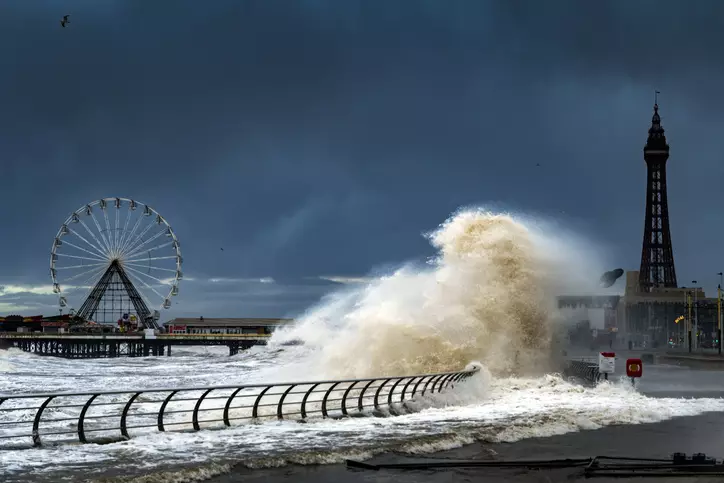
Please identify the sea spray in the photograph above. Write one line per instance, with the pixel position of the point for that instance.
(489, 295)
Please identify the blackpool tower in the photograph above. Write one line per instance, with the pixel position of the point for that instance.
(657, 256)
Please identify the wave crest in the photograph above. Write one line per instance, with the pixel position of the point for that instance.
(489, 296)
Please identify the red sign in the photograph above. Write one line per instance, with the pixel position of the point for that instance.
(608, 354)
(634, 367)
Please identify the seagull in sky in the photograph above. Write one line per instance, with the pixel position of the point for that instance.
(65, 21)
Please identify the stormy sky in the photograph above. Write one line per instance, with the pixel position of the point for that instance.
(315, 140)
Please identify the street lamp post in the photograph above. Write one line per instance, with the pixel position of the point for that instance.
(688, 319)
(696, 314)
(718, 310)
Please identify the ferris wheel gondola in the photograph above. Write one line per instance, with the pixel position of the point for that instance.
(115, 256)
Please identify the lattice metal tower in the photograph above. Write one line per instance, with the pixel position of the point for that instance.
(112, 295)
(657, 256)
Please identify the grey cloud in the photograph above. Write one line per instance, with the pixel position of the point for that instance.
(322, 137)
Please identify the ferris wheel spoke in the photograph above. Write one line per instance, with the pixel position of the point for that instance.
(136, 250)
(138, 239)
(151, 258)
(151, 267)
(65, 242)
(117, 226)
(157, 247)
(147, 286)
(139, 236)
(109, 232)
(100, 231)
(80, 275)
(133, 232)
(156, 279)
(89, 283)
(125, 227)
(82, 266)
(93, 235)
(76, 256)
(100, 252)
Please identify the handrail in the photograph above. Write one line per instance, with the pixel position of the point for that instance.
(90, 416)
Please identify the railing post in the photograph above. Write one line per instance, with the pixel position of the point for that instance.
(424, 388)
(451, 382)
(324, 399)
(459, 378)
(36, 421)
(254, 411)
(280, 406)
(377, 393)
(414, 389)
(360, 402)
(344, 397)
(446, 382)
(195, 415)
(163, 408)
(304, 399)
(81, 419)
(441, 384)
(402, 396)
(227, 406)
(392, 391)
(434, 383)
(124, 415)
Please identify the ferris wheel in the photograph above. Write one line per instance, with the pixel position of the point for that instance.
(115, 259)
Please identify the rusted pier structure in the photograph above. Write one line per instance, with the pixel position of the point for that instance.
(79, 346)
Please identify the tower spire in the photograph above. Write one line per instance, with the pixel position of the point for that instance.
(657, 138)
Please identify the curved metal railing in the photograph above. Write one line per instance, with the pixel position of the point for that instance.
(104, 416)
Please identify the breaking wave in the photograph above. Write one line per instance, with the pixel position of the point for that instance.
(488, 295)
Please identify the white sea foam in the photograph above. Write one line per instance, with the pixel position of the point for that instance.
(510, 410)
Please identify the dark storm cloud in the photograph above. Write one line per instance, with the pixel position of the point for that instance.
(312, 138)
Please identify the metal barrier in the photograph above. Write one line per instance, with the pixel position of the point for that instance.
(105, 416)
(583, 369)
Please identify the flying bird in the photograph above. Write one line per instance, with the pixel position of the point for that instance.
(65, 21)
(609, 278)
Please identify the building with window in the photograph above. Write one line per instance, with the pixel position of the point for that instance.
(201, 325)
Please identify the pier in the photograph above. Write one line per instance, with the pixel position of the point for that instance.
(82, 346)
